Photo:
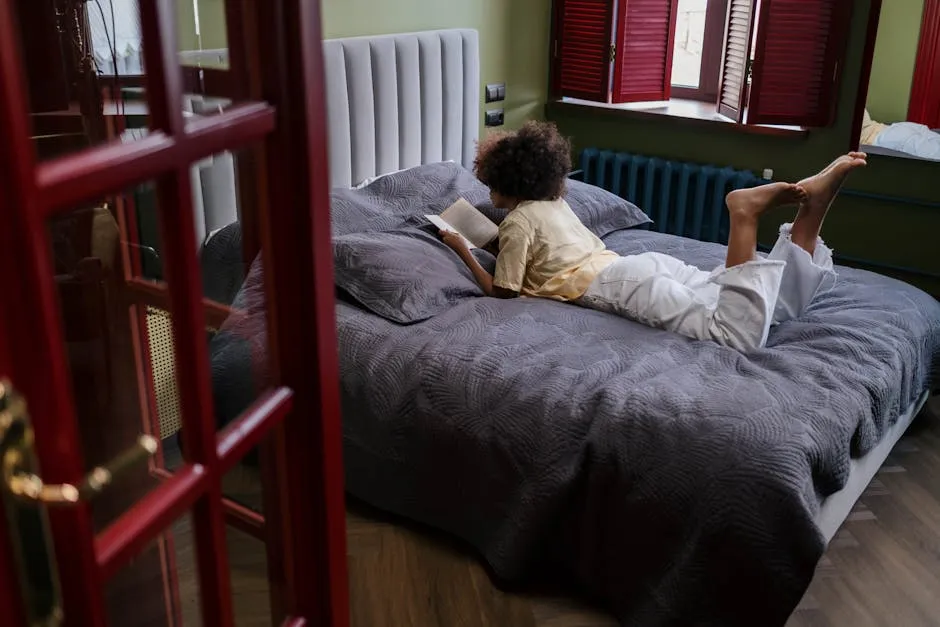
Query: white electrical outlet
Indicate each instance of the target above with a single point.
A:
(768, 174)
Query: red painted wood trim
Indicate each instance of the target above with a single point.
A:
(868, 55)
(245, 519)
(161, 473)
(178, 237)
(140, 339)
(238, 54)
(237, 515)
(240, 436)
(171, 589)
(41, 370)
(120, 542)
(215, 82)
(89, 175)
(760, 12)
(827, 78)
(554, 60)
(925, 91)
(126, 217)
(589, 58)
(296, 244)
(164, 79)
(155, 294)
(735, 112)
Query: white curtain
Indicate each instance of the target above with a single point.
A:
(116, 36)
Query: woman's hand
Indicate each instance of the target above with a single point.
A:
(454, 241)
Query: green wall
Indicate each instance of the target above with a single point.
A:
(892, 70)
(884, 232)
(513, 36)
(211, 24)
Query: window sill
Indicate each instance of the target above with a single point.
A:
(690, 112)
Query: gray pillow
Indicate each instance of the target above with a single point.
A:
(405, 275)
(599, 210)
(401, 199)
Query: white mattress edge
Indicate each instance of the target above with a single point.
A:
(836, 508)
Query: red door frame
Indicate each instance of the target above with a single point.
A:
(305, 509)
(868, 55)
(925, 91)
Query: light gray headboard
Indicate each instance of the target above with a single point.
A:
(397, 101)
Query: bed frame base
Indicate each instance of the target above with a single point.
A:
(837, 507)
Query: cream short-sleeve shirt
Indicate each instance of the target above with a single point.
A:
(545, 251)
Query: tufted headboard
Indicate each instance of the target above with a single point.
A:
(397, 101)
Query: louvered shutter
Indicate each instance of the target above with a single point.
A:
(798, 53)
(644, 41)
(732, 88)
(582, 43)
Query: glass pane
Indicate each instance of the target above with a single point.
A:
(223, 189)
(251, 591)
(160, 587)
(215, 75)
(690, 34)
(90, 90)
(100, 333)
(203, 39)
(118, 325)
(83, 90)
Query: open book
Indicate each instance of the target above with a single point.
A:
(465, 220)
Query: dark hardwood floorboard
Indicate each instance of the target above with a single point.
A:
(882, 568)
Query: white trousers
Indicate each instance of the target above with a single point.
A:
(732, 306)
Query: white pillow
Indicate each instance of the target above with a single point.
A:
(373, 179)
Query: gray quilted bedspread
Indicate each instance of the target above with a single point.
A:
(673, 481)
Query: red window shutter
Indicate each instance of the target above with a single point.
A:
(797, 58)
(582, 49)
(646, 32)
(732, 90)
(925, 93)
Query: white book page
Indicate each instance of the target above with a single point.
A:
(473, 225)
(443, 226)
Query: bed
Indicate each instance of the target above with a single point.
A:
(673, 481)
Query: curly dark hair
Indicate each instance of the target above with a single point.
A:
(529, 164)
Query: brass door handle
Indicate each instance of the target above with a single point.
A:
(17, 460)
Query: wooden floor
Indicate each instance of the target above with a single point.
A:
(883, 567)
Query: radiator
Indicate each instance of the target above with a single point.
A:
(686, 199)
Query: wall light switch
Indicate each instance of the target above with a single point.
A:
(495, 92)
(494, 117)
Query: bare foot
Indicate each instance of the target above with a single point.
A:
(751, 203)
(821, 188)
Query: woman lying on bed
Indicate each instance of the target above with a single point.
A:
(545, 251)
